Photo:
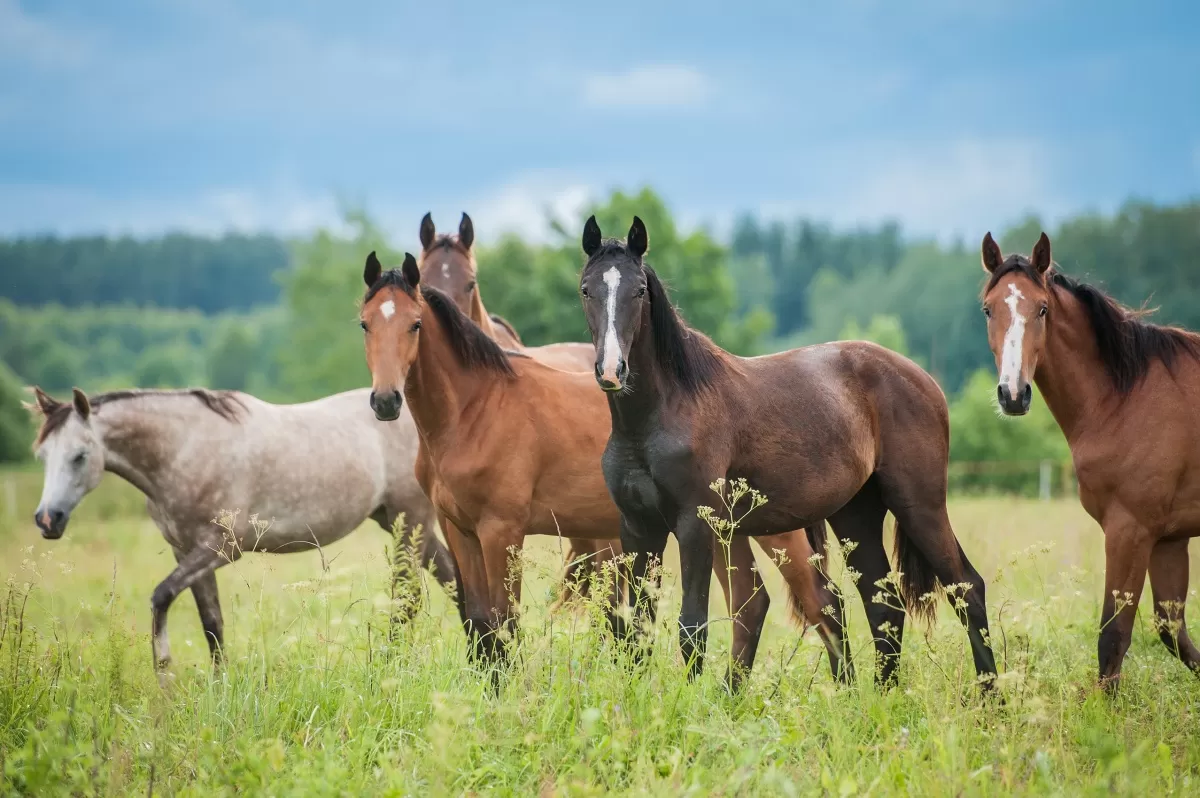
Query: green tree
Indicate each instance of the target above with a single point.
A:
(16, 426)
(232, 358)
(887, 331)
(164, 367)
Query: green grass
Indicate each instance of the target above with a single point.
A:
(316, 700)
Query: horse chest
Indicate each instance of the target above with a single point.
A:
(645, 478)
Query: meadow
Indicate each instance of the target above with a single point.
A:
(321, 696)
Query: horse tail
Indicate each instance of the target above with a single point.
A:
(919, 587)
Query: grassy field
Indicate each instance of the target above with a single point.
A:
(315, 699)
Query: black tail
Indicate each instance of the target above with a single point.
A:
(917, 580)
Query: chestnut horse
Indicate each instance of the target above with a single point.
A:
(514, 449)
(846, 431)
(448, 264)
(1126, 394)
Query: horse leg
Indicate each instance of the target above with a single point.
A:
(471, 578)
(813, 601)
(208, 604)
(1169, 584)
(748, 602)
(861, 522)
(695, 571)
(1127, 550)
(642, 547)
(204, 558)
(435, 556)
(581, 561)
(501, 542)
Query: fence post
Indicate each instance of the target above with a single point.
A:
(1044, 481)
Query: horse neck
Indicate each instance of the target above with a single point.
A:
(481, 317)
(1070, 375)
(138, 441)
(438, 387)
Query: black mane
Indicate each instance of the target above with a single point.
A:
(1128, 345)
(688, 355)
(226, 404)
(471, 345)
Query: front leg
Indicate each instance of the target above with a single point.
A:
(501, 541)
(471, 576)
(206, 556)
(642, 548)
(695, 571)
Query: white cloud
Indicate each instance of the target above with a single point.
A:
(958, 188)
(527, 204)
(653, 86)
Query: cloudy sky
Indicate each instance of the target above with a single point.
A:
(951, 116)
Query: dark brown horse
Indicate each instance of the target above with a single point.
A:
(514, 449)
(1126, 394)
(845, 431)
(448, 264)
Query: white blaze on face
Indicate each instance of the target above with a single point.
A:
(388, 309)
(446, 270)
(1014, 339)
(612, 350)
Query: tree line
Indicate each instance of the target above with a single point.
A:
(772, 286)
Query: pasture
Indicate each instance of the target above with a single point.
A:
(318, 698)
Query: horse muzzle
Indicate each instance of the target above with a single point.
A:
(386, 404)
(52, 523)
(1014, 405)
(612, 380)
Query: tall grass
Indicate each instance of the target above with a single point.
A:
(323, 694)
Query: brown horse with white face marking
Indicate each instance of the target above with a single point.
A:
(513, 449)
(846, 431)
(448, 264)
(1126, 394)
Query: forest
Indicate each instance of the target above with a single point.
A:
(277, 317)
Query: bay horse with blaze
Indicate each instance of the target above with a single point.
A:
(846, 431)
(1126, 394)
(447, 263)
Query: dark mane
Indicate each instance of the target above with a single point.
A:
(471, 344)
(1128, 345)
(503, 322)
(688, 355)
(226, 404)
(392, 278)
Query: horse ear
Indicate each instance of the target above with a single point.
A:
(466, 231)
(992, 256)
(591, 236)
(372, 270)
(638, 240)
(82, 406)
(45, 402)
(428, 231)
(1041, 254)
(412, 274)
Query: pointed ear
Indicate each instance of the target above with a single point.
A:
(1041, 254)
(45, 402)
(428, 231)
(412, 274)
(466, 231)
(372, 270)
(591, 237)
(992, 256)
(638, 240)
(82, 406)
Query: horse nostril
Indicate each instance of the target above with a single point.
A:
(56, 517)
(622, 370)
(396, 399)
(1000, 393)
(372, 400)
(598, 371)
(1027, 396)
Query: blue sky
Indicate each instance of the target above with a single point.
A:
(952, 117)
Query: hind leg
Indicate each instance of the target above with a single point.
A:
(1169, 584)
(926, 542)
(748, 602)
(813, 601)
(208, 604)
(861, 522)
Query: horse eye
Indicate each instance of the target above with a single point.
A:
(363, 324)
(584, 292)
(641, 292)
(79, 459)
(987, 312)
(470, 286)
(416, 325)
(1043, 311)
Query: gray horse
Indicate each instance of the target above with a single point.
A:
(314, 472)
